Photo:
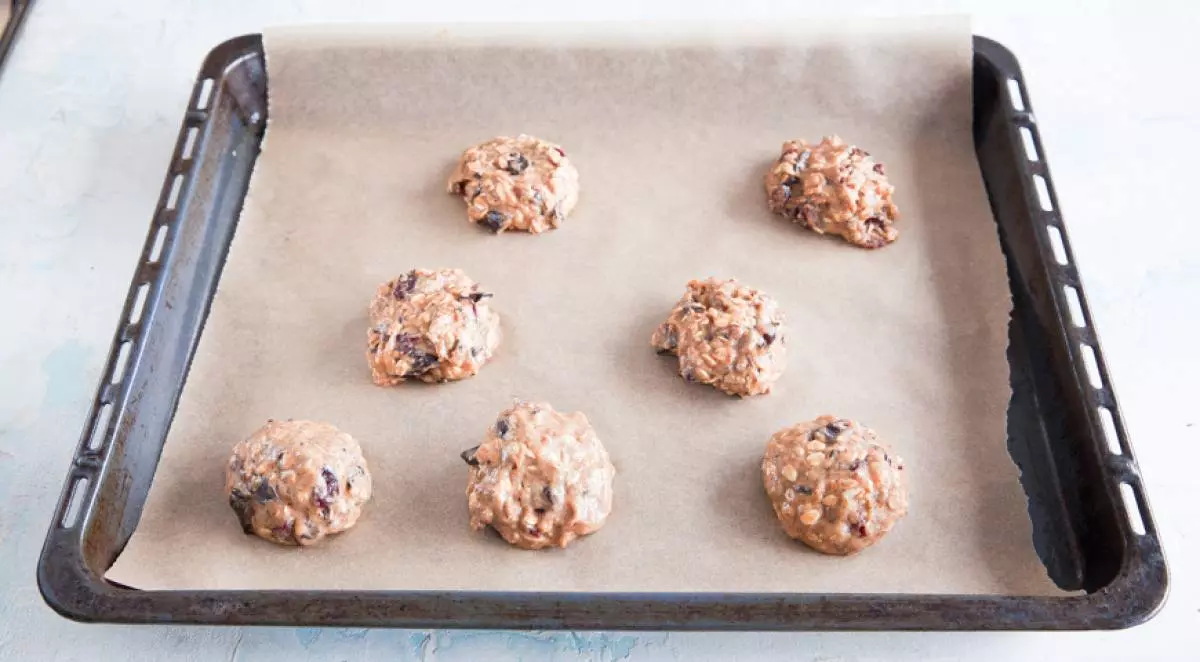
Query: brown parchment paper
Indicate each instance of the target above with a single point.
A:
(671, 128)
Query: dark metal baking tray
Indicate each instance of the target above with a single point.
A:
(18, 9)
(1085, 532)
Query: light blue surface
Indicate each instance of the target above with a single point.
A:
(89, 109)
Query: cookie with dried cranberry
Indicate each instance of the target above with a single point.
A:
(521, 183)
(540, 478)
(834, 485)
(294, 482)
(833, 188)
(433, 326)
(727, 335)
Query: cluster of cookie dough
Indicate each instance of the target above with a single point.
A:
(834, 485)
(541, 478)
(521, 183)
(727, 335)
(833, 188)
(434, 326)
(294, 482)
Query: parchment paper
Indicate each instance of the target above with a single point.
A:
(671, 129)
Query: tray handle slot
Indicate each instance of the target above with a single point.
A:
(1016, 95)
(173, 194)
(1093, 369)
(121, 368)
(1031, 148)
(1133, 509)
(139, 304)
(160, 238)
(1039, 182)
(189, 143)
(100, 427)
(1074, 307)
(1054, 235)
(74, 503)
(204, 92)
(1110, 431)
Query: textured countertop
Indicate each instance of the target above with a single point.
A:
(90, 104)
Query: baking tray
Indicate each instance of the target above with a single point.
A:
(17, 11)
(1065, 428)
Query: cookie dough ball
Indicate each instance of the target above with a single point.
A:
(520, 183)
(540, 478)
(833, 484)
(833, 188)
(727, 335)
(435, 326)
(294, 482)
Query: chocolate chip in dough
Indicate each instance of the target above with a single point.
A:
(468, 456)
(517, 163)
(494, 221)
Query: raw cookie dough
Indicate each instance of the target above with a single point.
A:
(520, 183)
(293, 482)
(833, 188)
(833, 484)
(435, 326)
(539, 478)
(727, 335)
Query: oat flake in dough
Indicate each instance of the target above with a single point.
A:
(727, 335)
(294, 482)
(833, 188)
(520, 183)
(434, 326)
(540, 478)
(834, 485)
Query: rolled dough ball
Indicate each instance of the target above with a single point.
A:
(833, 188)
(520, 183)
(435, 326)
(727, 335)
(834, 486)
(540, 478)
(294, 482)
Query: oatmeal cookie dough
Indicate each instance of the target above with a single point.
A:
(435, 326)
(834, 485)
(727, 335)
(833, 188)
(540, 478)
(294, 482)
(520, 183)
